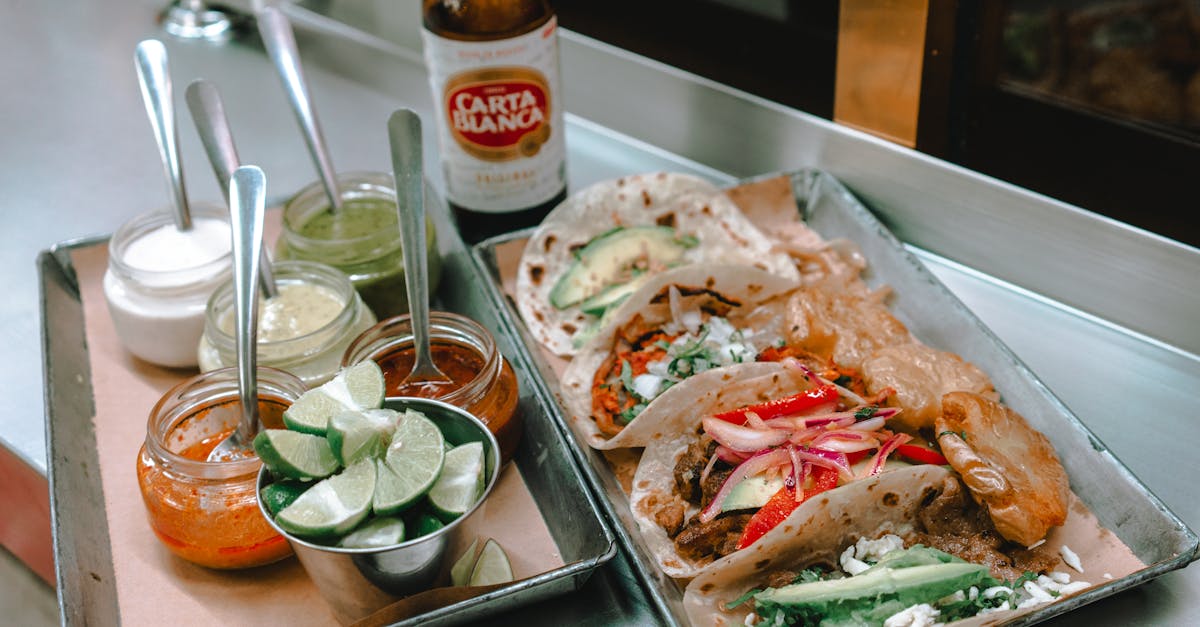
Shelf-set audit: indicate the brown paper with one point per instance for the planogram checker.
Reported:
(152, 583)
(770, 204)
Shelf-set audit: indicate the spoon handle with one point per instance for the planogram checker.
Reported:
(247, 194)
(404, 133)
(150, 60)
(280, 42)
(208, 112)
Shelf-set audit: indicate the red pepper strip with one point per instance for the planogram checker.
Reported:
(796, 403)
(921, 455)
(782, 504)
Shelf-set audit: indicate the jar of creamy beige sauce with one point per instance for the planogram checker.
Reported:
(303, 330)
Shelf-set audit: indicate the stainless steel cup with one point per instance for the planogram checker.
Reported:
(357, 582)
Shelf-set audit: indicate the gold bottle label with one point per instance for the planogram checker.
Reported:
(500, 122)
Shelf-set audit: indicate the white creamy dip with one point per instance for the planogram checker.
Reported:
(159, 280)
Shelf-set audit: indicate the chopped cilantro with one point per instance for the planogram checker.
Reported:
(963, 436)
(742, 599)
(627, 379)
(663, 344)
(628, 415)
(864, 413)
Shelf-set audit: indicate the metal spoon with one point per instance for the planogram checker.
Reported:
(247, 193)
(208, 112)
(404, 134)
(150, 60)
(280, 42)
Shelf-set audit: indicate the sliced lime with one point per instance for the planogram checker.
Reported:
(413, 462)
(332, 507)
(492, 567)
(278, 495)
(355, 388)
(461, 482)
(460, 572)
(354, 435)
(427, 524)
(377, 532)
(295, 455)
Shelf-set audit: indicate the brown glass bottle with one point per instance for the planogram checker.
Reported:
(493, 67)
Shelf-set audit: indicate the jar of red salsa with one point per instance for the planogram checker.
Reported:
(484, 383)
(207, 512)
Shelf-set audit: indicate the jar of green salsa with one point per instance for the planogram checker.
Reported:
(362, 239)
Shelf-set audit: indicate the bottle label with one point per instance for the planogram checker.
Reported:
(500, 122)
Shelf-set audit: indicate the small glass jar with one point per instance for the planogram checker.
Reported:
(207, 512)
(159, 279)
(362, 239)
(315, 356)
(485, 385)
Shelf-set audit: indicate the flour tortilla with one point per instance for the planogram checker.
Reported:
(693, 206)
(745, 284)
(816, 533)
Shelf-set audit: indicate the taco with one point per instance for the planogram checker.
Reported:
(599, 245)
(906, 547)
(681, 323)
(717, 475)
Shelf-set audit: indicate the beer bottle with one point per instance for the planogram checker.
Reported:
(493, 67)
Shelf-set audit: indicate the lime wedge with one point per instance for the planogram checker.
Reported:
(427, 524)
(295, 455)
(332, 507)
(461, 482)
(413, 462)
(354, 435)
(492, 567)
(375, 533)
(278, 495)
(460, 572)
(355, 388)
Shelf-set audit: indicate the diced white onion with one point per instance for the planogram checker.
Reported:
(1070, 558)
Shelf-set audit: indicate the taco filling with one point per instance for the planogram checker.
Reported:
(748, 469)
(880, 582)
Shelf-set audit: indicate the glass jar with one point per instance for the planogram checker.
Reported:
(362, 239)
(207, 512)
(314, 356)
(159, 279)
(485, 384)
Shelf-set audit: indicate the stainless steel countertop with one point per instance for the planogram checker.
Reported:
(1108, 316)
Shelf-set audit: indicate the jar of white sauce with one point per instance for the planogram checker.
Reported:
(303, 330)
(160, 278)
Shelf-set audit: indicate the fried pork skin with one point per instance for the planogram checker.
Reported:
(1010, 468)
(841, 325)
(920, 376)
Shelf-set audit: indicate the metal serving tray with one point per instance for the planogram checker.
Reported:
(87, 590)
(1118, 499)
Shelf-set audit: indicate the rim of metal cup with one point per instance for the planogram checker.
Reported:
(400, 404)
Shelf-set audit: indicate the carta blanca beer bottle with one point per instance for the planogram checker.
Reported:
(493, 66)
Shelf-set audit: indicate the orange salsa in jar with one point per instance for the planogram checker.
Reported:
(207, 512)
(482, 381)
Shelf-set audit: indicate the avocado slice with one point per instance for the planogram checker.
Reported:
(608, 261)
(752, 492)
(872, 596)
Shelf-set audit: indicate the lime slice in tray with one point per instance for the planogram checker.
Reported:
(354, 388)
(375, 533)
(492, 567)
(460, 572)
(295, 455)
(461, 482)
(333, 506)
(412, 463)
(354, 435)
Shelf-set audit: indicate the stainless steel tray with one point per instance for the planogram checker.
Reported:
(87, 590)
(1118, 499)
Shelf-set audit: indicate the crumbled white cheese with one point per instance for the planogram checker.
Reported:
(920, 615)
(1108, 575)
(995, 591)
(850, 564)
(873, 550)
(1070, 558)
